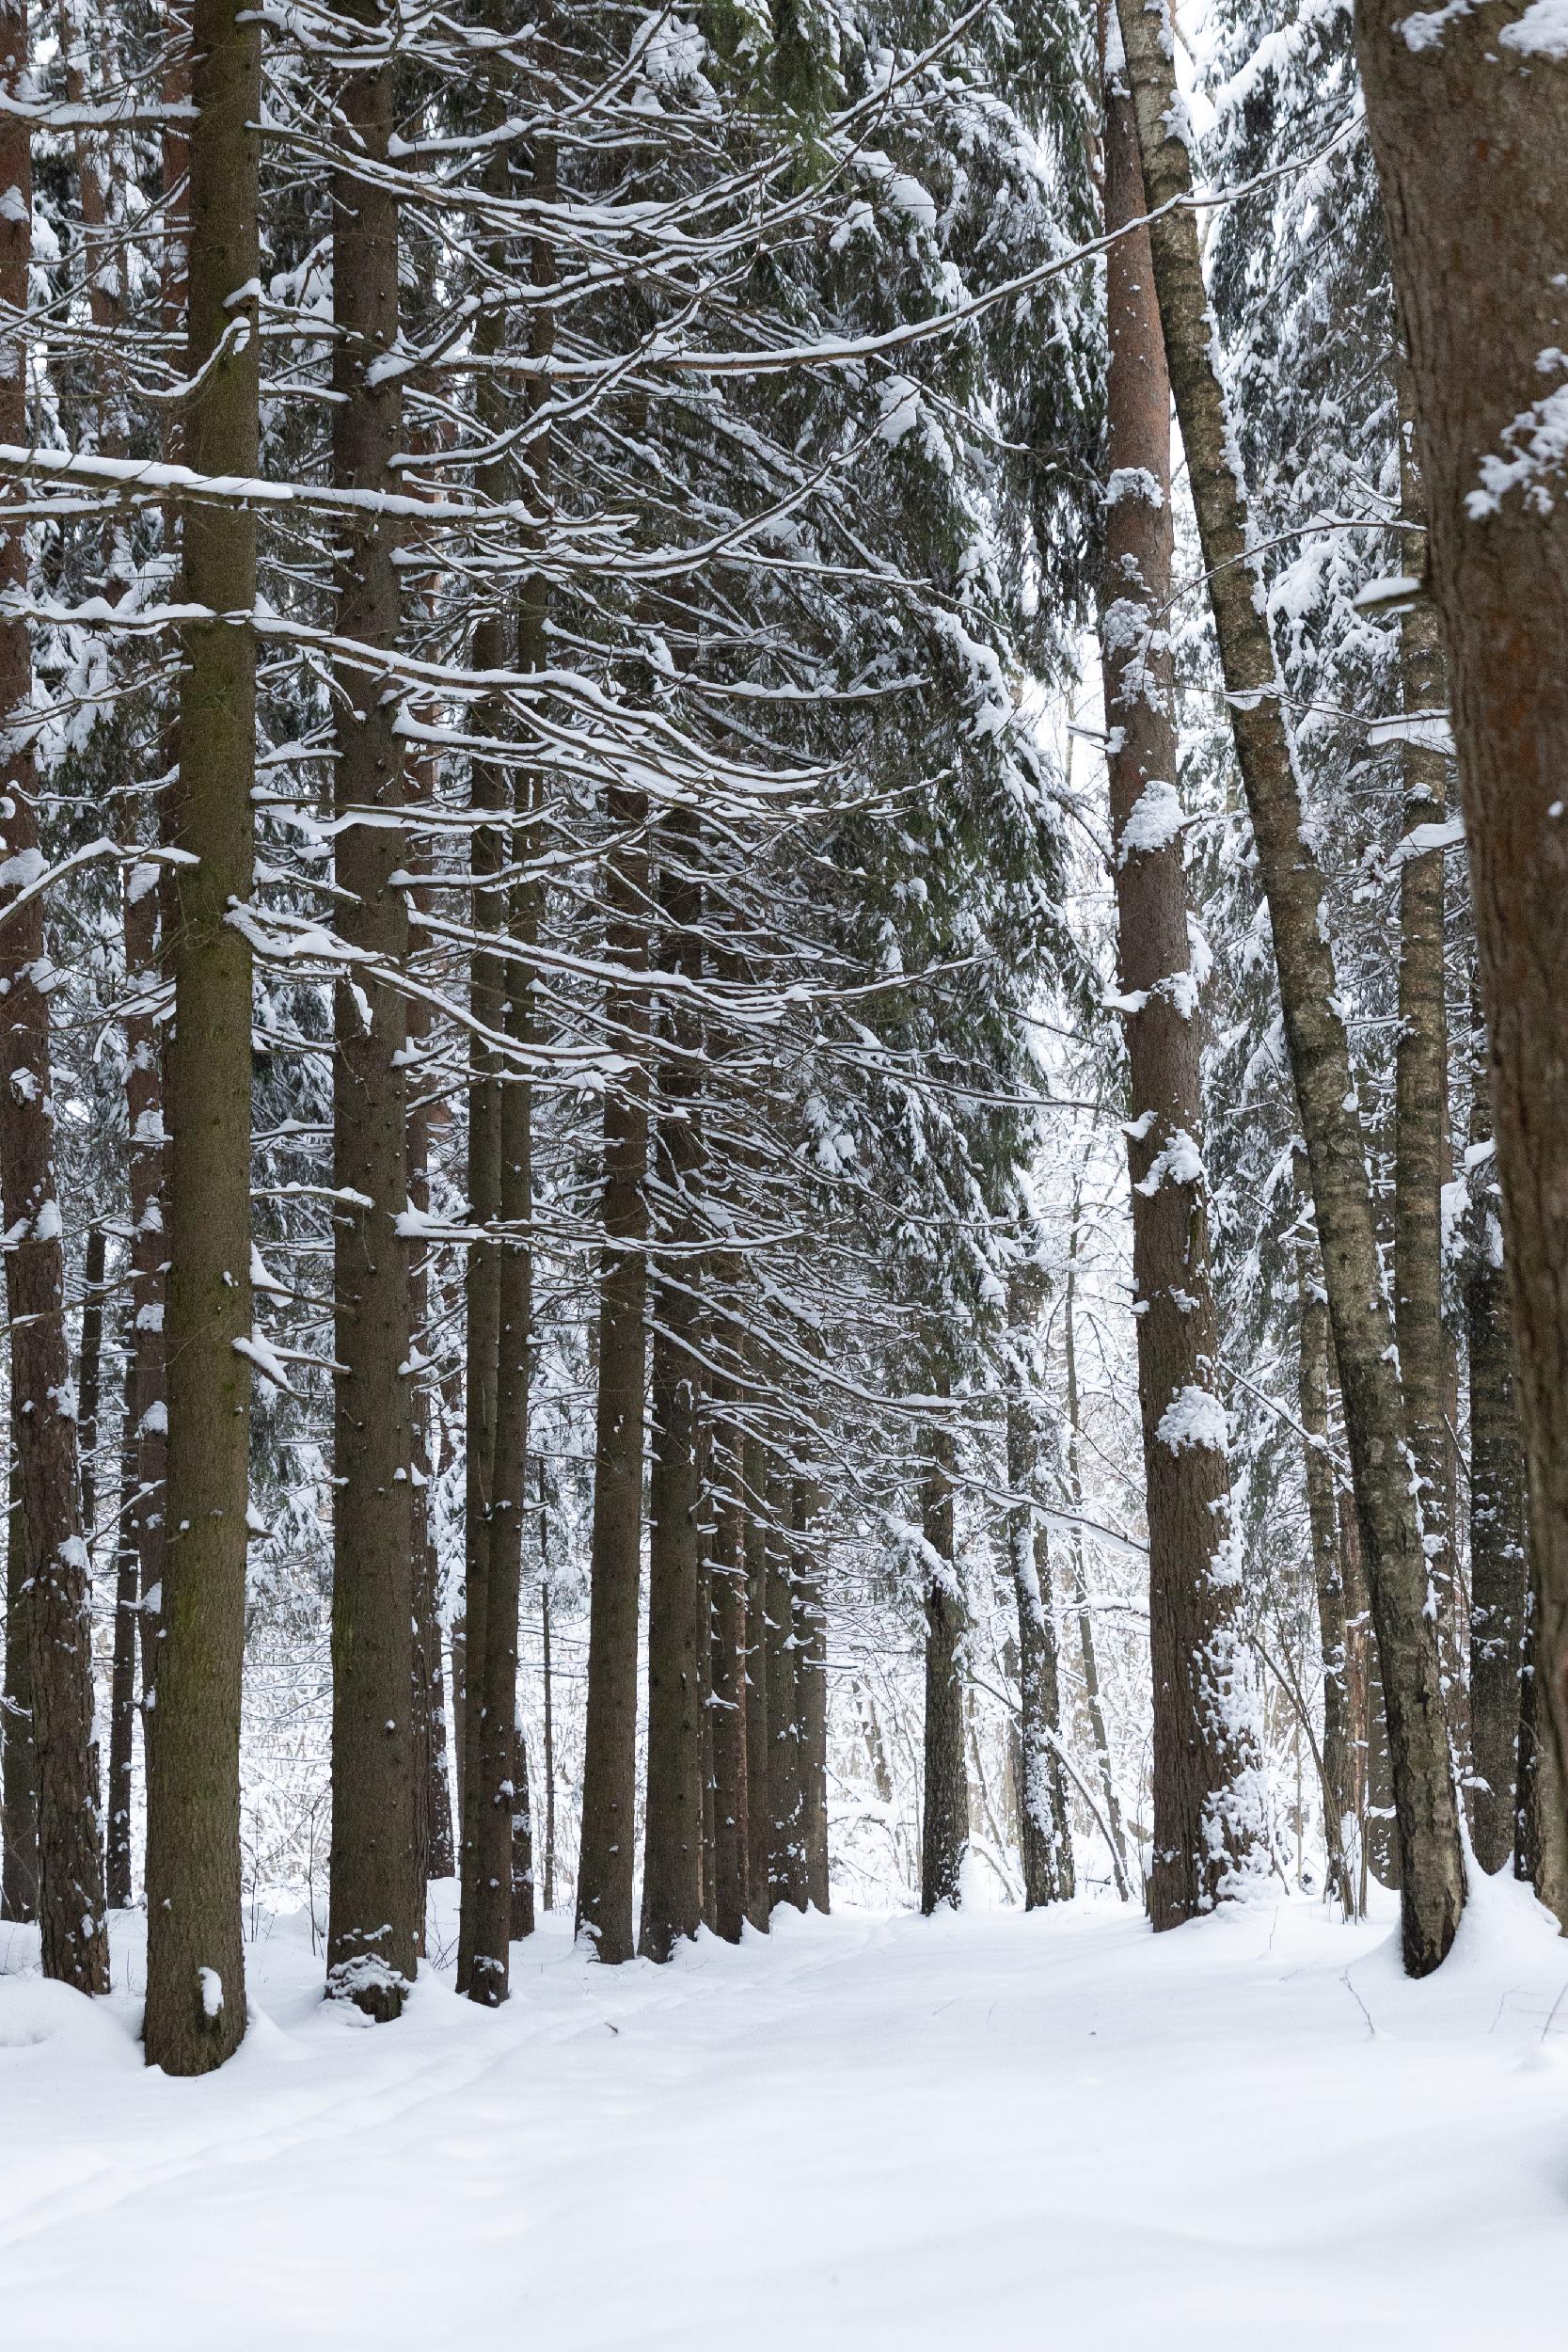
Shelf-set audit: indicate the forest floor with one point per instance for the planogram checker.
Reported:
(987, 2131)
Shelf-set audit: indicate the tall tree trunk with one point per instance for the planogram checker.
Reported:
(376, 1894)
(19, 1785)
(1498, 1576)
(811, 1699)
(785, 1878)
(147, 1392)
(672, 1869)
(944, 1813)
(122, 1669)
(196, 2006)
(610, 1746)
(1432, 1860)
(754, 1550)
(1045, 1828)
(55, 1619)
(1208, 1821)
(1465, 115)
(1420, 1084)
(545, 1589)
(1092, 1703)
(704, 1630)
(730, 1843)
(1342, 1825)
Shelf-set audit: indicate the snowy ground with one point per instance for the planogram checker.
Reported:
(870, 2132)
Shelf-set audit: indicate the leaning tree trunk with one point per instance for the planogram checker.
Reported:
(196, 2007)
(609, 1744)
(376, 1896)
(673, 1850)
(944, 1813)
(1467, 111)
(1497, 1555)
(1208, 1819)
(1432, 1858)
(1045, 1836)
(54, 1618)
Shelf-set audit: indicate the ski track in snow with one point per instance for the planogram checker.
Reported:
(869, 2131)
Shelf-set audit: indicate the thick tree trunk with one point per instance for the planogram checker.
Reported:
(195, 2004)
(376, 1894)
(610, 1746)
(1432, 1860)
(1498, 1567)
(1045, 1828)
(672, 1851)
(945, 1812)
(1465, 113)
(753, 1461)
(1206, 1814)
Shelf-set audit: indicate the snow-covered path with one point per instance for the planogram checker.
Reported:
(869, 2131)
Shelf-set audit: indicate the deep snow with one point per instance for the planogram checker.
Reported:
(869, 2131)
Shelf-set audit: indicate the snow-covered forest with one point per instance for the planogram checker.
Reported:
(784, 1161)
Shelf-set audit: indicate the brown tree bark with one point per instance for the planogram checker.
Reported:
(671, 1866)
(1541, 1823)
(811, 1696)
(1498, 1564)
(1432, 1861)
(196, 2006)
(754, 1465)
(547, 1890)
(18, 1789)
(731, 1824)
(1467, 116)
(122, 1667)
(376, 1905)
(785, 1873)
(1045, 1828)
(1420, 1088)
(1207, 1820)
(944, 1813)
(609, 1751)
(1343, 1827)
(53, 1619)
